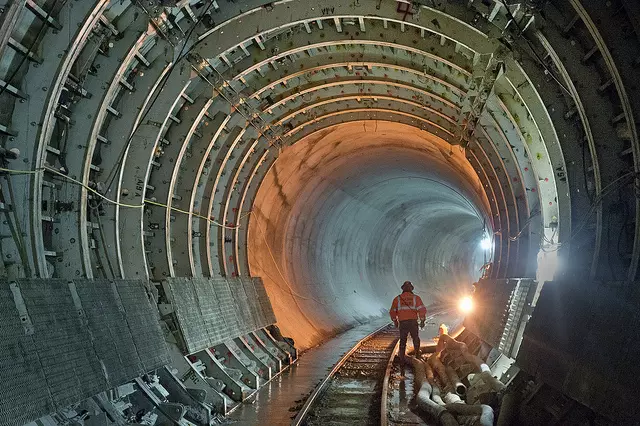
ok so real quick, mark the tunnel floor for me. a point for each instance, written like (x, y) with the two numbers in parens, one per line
(272, 404)
(277, 402)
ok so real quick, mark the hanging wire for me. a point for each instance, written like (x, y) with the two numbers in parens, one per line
(110, 201)
(619, 182)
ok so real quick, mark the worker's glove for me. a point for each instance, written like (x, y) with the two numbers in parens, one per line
(422, 324)
(395, 323)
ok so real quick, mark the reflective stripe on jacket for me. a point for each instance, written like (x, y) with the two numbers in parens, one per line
(407, 306)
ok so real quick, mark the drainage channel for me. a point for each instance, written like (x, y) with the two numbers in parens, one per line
(351, 393)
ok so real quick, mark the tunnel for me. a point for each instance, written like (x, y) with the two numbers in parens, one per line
(184, 180)
(339, 221)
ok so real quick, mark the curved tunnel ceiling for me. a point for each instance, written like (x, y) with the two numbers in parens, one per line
(350, 212)
(335, 150)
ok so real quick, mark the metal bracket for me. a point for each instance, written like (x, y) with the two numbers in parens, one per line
(77, 302)
(482, 83)
(22, 309)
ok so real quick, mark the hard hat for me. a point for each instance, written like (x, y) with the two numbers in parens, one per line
(407, 286)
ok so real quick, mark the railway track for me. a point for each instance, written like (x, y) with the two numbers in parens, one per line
(351, 393)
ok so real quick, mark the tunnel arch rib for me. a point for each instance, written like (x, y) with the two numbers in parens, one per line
(193, 138)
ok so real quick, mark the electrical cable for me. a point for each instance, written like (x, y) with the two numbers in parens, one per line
(16, 230)
(533, 214)
(275, 263)
(227, 83)
(110, 201)
(613, 185)
(251, 123)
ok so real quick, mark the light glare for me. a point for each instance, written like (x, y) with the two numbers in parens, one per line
(466, 304)
(485, 244)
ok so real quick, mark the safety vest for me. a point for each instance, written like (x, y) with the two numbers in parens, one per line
(407, 306)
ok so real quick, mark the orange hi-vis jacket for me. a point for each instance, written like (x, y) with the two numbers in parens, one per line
(407, 306)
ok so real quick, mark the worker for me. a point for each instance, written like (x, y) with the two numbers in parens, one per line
(405, 311)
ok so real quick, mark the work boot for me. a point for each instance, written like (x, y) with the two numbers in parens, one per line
(417, 353)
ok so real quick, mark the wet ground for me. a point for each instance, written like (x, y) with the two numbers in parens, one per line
(278, 401)
(401, 389)
(353, 395)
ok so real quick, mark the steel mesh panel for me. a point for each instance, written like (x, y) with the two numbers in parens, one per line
(228, 309)
(24, 395)
(212, 310)
(62, 341)
(112, 340)
(209, 309)
(185, 303)
(252, 302)
(142, 320)
(242, 304)
(83, 337)
(265, 303)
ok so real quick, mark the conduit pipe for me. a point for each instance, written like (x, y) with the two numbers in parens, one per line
(458, 386)
(428, 371)
(419, 375)
(436, 395)
(494, 383)
(477, 362)
(440, 370)
(484, 412)
(431, 408)
(452, 398)
(423, 397)
(452, 344)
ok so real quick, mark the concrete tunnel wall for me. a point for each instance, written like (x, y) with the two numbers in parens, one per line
(347, 214)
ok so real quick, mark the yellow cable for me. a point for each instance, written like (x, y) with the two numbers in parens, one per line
(194, 214)
(132, 206)
(19, 172)
(77, 182)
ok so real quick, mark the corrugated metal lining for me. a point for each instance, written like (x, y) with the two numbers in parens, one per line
(212, 310)
(78, 338)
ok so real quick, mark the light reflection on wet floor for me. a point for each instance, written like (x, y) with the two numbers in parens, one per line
(273, 404)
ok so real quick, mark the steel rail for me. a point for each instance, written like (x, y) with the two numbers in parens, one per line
(384, 399)
(304, 411)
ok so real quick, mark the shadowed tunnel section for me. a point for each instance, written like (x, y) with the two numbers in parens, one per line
(347, 214)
